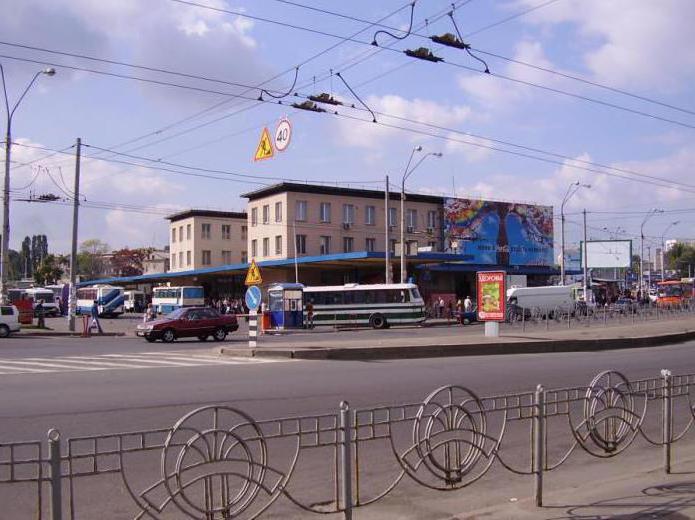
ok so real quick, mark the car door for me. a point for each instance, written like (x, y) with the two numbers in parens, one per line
(210, 321)
(189, 324)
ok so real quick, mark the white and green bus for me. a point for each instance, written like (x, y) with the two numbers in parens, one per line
(377, 306)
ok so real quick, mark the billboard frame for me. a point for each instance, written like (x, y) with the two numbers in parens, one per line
(581, 253)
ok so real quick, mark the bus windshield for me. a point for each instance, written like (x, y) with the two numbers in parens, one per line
(672, 290)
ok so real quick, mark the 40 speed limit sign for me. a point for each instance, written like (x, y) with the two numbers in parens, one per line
(283, 135)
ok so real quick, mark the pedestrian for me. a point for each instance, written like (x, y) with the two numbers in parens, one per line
(59, 305)
(309, 307)
(467, 304)
(38, 310)
(440, 307)
(459, 311)
(449, 310)
(95, 318)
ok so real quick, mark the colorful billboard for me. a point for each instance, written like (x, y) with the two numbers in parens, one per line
(499, 233)
(491, 295)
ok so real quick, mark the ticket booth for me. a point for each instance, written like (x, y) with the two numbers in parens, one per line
(285, 306)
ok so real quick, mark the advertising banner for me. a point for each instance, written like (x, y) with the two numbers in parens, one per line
(492, 295)
(499, 233)
(607, 253)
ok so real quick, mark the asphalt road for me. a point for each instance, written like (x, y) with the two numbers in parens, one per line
(87, 402)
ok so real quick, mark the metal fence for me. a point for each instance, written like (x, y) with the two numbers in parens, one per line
(217, 462)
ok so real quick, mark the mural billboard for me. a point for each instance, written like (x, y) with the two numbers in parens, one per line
(499, 233)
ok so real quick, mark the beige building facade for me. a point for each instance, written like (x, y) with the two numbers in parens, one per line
(321, 220)
(206, 238)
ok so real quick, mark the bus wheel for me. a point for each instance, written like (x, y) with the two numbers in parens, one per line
(377, 322)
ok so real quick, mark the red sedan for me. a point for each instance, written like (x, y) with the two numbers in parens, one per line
(189, 322)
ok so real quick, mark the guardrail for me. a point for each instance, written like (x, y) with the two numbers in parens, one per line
(217, 462)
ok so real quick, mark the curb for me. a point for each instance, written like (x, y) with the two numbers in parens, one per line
(457, 349)
(51, 334)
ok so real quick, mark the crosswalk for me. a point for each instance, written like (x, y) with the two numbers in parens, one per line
(170, 359)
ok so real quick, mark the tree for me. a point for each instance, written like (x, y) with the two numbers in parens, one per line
(128, 262)
(25, 258)
(49, 271)
(39, 250)
(90, 259)
(682, 258)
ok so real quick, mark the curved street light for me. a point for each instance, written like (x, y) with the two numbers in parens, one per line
(650, 214)
(6, 191)
(571, 190)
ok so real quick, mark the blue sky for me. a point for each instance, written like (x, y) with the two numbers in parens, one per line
(639, 47)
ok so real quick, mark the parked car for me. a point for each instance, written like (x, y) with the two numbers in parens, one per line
(468, 317)
(9, 320)
(625, 305)
(189, 322)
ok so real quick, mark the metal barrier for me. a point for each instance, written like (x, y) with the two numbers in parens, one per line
(217, 462)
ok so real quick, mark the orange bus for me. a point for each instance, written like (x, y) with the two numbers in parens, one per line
(674, 292)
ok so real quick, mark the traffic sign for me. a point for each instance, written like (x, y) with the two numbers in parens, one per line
(253, 298)
(253, 275)
(283, 135)
(265, 147)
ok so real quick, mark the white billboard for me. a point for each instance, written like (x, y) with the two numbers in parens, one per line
(607, 253)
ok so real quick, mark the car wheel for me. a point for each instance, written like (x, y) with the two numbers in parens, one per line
(377, 322)
(203, 338)
(150, 339)
(466, 321)
(4, 331)
(220, 334)
(168, 336)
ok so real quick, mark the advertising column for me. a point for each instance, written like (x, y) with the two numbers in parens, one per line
(491, 300)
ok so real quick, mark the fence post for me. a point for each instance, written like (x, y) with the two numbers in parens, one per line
(667, 425)
(605, 310)
(56, 486)
(538, 436)
(346, 459)
(523, 320)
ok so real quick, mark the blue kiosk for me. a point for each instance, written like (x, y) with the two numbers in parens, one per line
(286, 306)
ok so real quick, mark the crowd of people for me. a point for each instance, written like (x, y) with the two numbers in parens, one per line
(449, 309)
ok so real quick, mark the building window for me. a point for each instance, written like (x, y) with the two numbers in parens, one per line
(325, 245)
(300, 211)
(207, 257)
(266, 213)
(180, 258)
(278, 212)
(431, 219)
(370, 216)
(392, 217)
(254, 248)
(244, 232)
(278, 244)
(188, 258)
(411, 247)
(266, 247)
(411, 218)
(206, 231)
(188, 231)
(226, 231)
(348, 214)
(226, 257)
(392, 246)
(370, 244)
(180, 233)
(325, 212)
(254, 216)
(301, 244)
(173, 235)
(244, 257)
(173, 261)
(348, 244)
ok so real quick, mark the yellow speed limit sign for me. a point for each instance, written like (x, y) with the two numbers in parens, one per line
(283, 134)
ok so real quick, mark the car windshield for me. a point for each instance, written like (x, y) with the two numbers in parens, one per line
(177, 314)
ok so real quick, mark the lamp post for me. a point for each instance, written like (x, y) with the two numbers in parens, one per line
(406, 174)
(6, 190)
(649, 215)
(571, 190)
(663, 246)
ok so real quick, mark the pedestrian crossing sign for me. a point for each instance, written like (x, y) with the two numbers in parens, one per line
(265, 147)
(253, 275)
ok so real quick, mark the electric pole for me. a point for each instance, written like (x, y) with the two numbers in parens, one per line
(387, 260)
(72, 302)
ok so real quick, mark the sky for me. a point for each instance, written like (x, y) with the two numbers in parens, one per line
(522, 133)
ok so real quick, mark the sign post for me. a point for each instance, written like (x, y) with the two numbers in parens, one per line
(253, 300)
(492, 296)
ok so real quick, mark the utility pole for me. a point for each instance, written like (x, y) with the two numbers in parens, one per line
(387, 249)
(73, 255)
(586, 264)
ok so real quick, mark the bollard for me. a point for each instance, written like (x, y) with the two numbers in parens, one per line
(56, 486)
(346, 459)
(538, 436)
(253, 328)
(667, 425)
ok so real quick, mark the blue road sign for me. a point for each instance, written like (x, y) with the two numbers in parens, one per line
(253, 298)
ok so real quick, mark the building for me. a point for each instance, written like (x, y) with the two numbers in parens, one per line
(206, 238)
(157, 261)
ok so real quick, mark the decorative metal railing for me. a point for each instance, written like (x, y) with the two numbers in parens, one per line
(217, 462)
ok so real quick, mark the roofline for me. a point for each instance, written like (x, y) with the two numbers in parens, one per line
(206, 213)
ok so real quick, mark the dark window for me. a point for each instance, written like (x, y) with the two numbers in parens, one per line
(7, 311)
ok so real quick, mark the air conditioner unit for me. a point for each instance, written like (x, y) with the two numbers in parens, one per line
(346, 225)
(409, 229)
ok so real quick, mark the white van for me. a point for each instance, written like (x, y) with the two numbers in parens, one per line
(560, 297)
(9, 320)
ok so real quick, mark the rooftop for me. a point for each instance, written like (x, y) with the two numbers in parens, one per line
(206, 213)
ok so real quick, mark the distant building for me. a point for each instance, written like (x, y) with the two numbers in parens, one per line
(206, 238)
(157, 261)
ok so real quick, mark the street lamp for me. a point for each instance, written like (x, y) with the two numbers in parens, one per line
(6, 191)
(649, 215)
(406, 174)
(571, 190)
(663, 246)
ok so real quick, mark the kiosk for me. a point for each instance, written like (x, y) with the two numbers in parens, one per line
(285, 306)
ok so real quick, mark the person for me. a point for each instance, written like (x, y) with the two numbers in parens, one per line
(440, 308)
(59, 305)
(95, 318)
(147, 316)
(310, 314)
(38, 310)
(467, 304)
(459, 311)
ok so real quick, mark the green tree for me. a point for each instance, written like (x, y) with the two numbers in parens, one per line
(128, 262)
(90, 259)
(49, 271)
(681, 257)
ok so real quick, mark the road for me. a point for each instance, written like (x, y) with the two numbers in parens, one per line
(87, 393)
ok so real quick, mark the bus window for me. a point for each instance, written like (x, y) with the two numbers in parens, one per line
(415, 293)
(193, 292)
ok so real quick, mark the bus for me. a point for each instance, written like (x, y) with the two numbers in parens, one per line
(375, 305)
(168, 299)
(108, 297)
(134, 301)
(673, 292)
(62, 291)
(50, 307)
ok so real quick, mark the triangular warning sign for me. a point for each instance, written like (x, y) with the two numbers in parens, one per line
(253, 275)
(265, 147)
